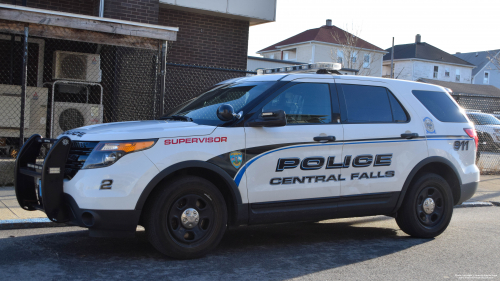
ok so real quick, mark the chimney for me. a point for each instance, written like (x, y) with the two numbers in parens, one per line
(328, 22)
(417, 39)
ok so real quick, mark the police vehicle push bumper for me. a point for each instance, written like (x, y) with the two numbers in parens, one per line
(40, 187)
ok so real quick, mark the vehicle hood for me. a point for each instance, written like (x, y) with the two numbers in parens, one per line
(138, 130)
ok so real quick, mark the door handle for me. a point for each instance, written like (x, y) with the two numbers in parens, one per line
(409, 135)
(324, 138)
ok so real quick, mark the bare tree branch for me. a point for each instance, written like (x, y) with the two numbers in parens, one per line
(494, 58)
(349, 48)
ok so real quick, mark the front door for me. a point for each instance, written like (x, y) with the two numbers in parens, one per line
(285, 163)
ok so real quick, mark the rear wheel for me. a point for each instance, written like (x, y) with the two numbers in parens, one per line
(187, 218)
(427, 207)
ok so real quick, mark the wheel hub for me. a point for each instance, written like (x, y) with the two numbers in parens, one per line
(429, 206)
(190, 218)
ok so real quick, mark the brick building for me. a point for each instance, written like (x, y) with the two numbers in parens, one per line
(213, 33)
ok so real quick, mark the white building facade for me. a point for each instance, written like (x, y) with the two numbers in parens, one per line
(414, 69)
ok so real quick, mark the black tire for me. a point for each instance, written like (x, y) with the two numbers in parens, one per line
(414, 219)
(164, 226)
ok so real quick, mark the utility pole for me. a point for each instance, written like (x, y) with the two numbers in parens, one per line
(392, 59)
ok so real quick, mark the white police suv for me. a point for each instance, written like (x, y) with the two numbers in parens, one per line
(282, 147)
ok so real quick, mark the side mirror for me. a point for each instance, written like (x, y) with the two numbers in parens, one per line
(225, 112)
(275, 118)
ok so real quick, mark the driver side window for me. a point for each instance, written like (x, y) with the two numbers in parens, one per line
(305, 103)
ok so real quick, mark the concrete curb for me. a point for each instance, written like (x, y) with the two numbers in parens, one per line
(29, 223)
(469, 204)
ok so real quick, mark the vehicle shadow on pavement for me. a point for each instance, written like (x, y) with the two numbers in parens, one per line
(267, 252)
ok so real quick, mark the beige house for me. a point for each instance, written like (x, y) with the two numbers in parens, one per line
(329, 44)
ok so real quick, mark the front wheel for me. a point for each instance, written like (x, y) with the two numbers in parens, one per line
(427, 207)
(187, 218)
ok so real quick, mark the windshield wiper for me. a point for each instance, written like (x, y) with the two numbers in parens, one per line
(177, 118)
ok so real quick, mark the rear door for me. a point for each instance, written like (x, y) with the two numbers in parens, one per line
(286, 163)
(383, 140)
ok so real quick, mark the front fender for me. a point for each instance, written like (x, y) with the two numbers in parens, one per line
(240, 210)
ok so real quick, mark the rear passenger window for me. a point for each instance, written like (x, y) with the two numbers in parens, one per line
(440, 105)
(398, 113)
(370, 104)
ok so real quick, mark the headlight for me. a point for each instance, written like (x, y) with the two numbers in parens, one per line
(106, 153)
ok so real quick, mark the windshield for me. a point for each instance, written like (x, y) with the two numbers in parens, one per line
(204, 108)
(483, 119)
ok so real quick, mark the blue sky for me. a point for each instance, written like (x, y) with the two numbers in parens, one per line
(453, 26)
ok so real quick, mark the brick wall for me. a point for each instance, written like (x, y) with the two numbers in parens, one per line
(84, 7)
(206, 40)
(145, 11)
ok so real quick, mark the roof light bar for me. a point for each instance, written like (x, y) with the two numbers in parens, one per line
(301, 68)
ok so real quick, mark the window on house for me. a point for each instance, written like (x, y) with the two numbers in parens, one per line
(340, 56)
(285, 56)
(366, 61)
(436, 69)
(486, 78)
(457, 75)
(354, 57)
(446, 72)
(271, 56)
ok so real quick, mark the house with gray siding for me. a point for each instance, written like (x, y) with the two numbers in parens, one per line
(487, 71)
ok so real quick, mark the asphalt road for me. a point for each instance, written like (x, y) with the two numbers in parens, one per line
(371, 248)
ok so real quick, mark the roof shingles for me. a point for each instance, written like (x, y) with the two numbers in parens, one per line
(423, 51)
(479, 59)
(463, 88)
(323, 34)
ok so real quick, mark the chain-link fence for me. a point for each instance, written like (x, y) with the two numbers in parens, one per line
(69, 84)
(484, 112)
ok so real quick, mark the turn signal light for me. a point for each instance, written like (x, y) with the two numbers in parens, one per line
(473, 134)
(127, 147)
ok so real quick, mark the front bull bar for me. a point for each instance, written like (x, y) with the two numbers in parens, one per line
(47, 197)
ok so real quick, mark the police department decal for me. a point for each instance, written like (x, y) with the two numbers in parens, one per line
(236, 158)
(319, 162)
(429, 125)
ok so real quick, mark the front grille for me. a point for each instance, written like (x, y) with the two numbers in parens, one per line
(78, 153)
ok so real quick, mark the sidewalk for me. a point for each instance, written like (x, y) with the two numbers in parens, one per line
(488, 190)
(12, 216)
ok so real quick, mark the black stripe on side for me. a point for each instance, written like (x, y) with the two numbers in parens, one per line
(224, 162)
(383, 139)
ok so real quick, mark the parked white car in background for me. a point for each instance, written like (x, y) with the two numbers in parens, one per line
(488, 130)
